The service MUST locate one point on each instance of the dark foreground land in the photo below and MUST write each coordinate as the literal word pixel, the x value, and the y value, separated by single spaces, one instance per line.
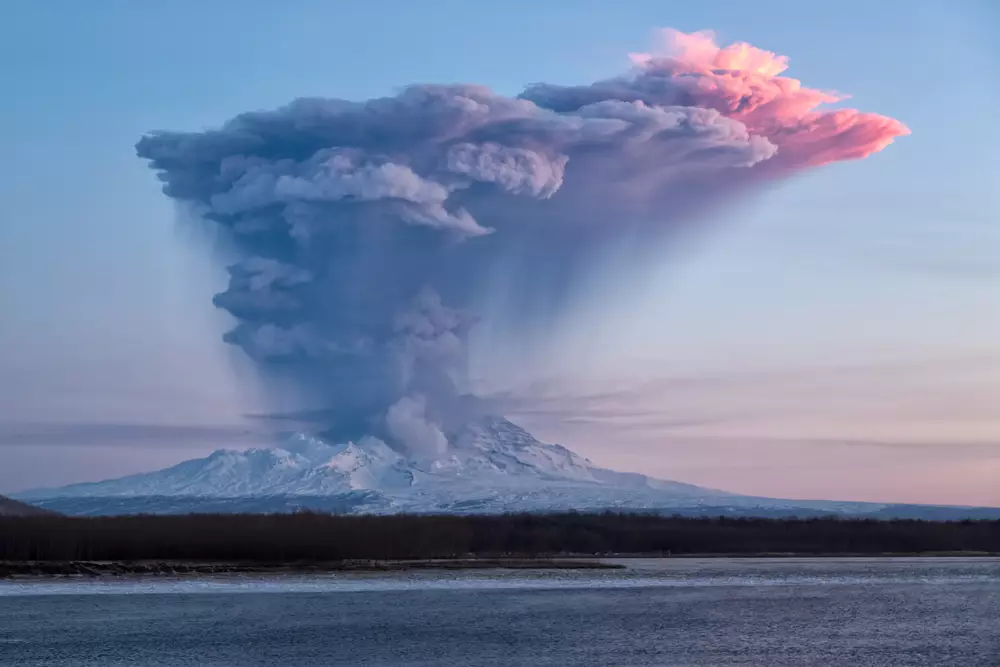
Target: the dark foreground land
pixel 199 543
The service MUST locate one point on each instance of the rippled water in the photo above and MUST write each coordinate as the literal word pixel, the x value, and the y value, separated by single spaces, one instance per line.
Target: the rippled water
pixel 761 613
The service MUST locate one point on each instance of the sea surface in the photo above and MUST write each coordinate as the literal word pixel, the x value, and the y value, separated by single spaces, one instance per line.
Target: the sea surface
pixel 939 612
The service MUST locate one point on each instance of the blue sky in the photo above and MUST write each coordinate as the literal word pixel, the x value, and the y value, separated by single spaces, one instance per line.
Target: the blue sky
pixel 843 326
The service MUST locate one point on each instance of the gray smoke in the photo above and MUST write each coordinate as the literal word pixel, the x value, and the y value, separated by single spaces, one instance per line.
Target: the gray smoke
pixel 368 232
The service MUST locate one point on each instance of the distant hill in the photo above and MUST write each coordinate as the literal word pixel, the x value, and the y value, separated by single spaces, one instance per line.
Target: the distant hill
pixel 10 507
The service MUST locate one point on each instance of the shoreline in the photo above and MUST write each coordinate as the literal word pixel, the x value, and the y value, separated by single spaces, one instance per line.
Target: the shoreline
pixel 49 569
pixel 32 570
pixel 803 554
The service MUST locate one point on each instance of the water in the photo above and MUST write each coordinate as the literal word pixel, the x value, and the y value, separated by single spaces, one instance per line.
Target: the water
pixel 692 613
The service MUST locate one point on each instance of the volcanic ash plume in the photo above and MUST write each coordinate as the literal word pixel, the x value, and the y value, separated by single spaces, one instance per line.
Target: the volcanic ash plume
pixel 367 232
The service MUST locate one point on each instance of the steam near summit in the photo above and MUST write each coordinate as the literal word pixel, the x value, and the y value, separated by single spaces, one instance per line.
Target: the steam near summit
pixel 368 235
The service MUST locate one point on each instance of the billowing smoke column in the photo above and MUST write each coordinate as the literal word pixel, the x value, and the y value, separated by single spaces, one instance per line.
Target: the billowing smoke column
pixel 367 232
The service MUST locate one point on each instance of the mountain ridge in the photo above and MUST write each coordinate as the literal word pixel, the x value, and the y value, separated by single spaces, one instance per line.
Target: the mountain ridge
pixel 11 507
pixel 489 450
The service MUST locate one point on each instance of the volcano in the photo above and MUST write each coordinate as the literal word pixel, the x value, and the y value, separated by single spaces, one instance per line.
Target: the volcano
pixel 492 466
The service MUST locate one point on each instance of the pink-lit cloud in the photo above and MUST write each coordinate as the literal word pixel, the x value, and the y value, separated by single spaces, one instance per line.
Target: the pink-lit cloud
pixel 745 83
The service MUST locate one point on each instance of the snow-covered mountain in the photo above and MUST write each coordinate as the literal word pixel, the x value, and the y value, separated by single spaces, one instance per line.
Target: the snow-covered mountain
pixel 492 466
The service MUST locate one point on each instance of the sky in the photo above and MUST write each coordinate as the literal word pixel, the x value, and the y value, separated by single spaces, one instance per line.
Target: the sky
pixel 835 336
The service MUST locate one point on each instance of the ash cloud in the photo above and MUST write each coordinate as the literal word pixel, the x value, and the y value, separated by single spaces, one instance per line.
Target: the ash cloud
pixel 368 232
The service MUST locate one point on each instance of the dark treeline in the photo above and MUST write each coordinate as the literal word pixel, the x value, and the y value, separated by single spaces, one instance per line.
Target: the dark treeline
pixel 319 537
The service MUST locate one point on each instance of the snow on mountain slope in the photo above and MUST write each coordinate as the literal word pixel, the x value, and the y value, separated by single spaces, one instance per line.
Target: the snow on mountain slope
pixel 301 465
pixel 493 465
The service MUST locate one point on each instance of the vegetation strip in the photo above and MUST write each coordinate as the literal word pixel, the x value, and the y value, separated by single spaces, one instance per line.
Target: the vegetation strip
pixel 322 538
